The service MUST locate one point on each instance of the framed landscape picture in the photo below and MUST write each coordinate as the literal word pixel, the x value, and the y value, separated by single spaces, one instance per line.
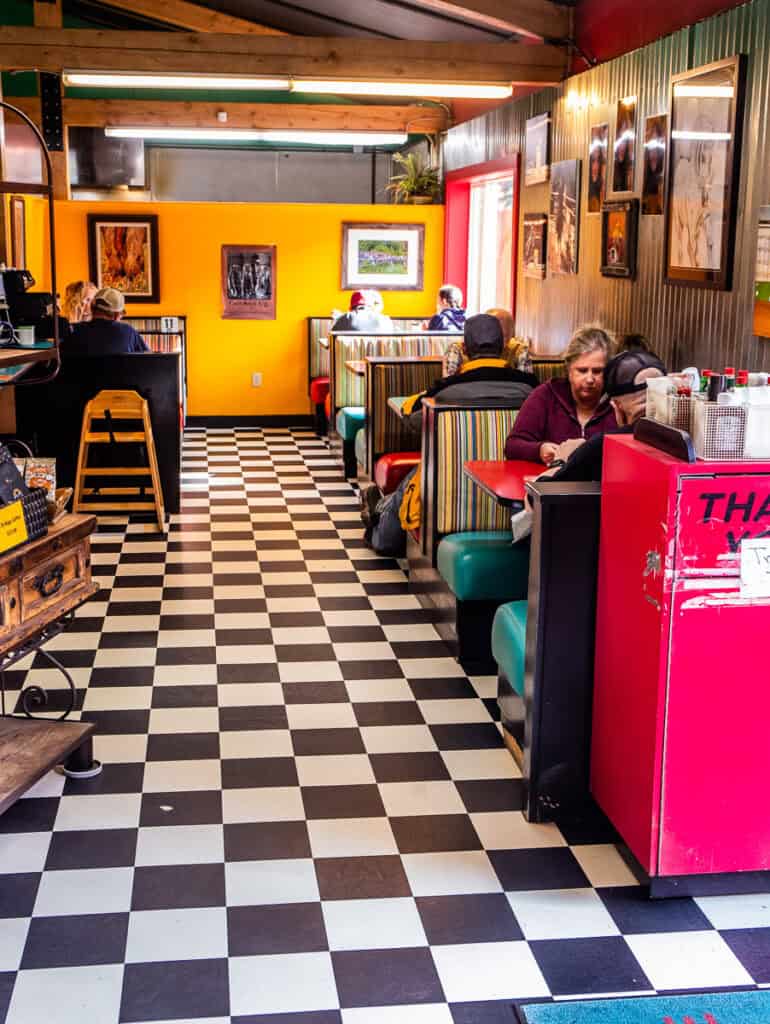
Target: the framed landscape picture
pixel 703 173
pixel 620 220
pixel 624 148
pixel 248 282
pixel 597 167
pixel 388 257
pixel 534 245
pixel 123 254
pixel 564 218
pixel 537 160
pixel 654 179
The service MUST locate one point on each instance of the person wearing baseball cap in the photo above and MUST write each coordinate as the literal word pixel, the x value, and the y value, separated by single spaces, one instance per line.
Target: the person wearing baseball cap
pixel 104 334
pixel 625 384
pixel 365 315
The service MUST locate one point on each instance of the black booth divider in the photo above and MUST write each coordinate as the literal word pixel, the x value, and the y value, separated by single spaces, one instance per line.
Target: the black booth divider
pixel 49 416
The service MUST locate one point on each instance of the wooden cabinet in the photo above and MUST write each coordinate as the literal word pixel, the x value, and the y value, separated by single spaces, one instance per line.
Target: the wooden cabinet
pixel 44 580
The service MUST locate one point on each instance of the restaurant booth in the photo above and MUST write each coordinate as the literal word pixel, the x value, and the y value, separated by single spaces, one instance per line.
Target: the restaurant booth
pixel 252 769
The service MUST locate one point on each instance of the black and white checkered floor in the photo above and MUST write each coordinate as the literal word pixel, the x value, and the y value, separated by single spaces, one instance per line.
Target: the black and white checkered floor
pixel 306 806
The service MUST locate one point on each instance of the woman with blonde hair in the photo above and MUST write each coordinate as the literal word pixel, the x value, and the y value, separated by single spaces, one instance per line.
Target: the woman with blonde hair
pixel 78 296
pixel 515 351
pixel 567 409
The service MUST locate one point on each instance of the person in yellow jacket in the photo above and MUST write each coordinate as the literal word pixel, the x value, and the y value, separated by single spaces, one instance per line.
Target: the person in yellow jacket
pixel 485 380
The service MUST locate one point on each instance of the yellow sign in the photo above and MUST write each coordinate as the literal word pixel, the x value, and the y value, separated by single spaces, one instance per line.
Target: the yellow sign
pixel 13 529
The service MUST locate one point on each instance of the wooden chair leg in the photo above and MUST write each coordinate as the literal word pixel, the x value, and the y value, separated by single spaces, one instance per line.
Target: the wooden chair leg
pixel 154 472
pixel 82 459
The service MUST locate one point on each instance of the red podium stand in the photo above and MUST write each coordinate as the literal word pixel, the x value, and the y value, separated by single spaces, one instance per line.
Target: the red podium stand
pixel 680 757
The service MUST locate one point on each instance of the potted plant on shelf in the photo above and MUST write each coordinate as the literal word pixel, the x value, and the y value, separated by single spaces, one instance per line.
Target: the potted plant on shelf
pixel 419 183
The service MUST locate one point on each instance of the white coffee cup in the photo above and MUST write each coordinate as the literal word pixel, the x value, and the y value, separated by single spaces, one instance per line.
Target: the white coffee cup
pixel 26 336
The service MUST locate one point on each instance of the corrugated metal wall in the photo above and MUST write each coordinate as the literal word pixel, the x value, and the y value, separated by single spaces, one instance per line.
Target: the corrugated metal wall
pixel 686 325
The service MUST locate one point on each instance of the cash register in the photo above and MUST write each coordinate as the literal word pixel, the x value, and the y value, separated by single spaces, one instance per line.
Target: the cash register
pixel 21 307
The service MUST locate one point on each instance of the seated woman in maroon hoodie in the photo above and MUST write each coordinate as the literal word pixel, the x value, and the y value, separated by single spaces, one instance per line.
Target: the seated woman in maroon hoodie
pixel 566 409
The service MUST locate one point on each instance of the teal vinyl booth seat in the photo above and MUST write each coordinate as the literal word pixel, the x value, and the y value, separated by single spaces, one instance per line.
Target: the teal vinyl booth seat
pixel 463 564
pixel 509 644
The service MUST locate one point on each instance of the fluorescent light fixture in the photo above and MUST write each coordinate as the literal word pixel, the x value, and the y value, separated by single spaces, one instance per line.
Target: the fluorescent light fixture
pixel 686 136
pixel 117 80
pixel 451 90
pixel 707 91
pixel 255 135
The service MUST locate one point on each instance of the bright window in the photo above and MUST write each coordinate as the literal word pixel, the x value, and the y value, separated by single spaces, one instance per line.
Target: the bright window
pixel 490 245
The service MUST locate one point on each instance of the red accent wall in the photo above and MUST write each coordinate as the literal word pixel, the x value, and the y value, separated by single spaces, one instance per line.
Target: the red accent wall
pixel 608 28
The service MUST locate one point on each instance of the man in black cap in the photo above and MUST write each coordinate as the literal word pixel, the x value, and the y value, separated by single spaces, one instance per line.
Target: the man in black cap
pixel 625 384
pixel 485 380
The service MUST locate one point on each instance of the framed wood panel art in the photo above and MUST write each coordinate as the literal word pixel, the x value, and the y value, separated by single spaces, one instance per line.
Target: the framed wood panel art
pixel 123 254
pixel 703 173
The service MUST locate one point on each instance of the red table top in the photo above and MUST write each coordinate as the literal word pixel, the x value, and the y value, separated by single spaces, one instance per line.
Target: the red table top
pixel 503 481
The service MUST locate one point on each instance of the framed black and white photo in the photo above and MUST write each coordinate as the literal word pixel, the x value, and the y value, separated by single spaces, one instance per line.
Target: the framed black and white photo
pixel 534 245
pixel 704 169
pixel 620 221
pixel 624 147
pixel 654 177
pixel 248 282
pixel 537 159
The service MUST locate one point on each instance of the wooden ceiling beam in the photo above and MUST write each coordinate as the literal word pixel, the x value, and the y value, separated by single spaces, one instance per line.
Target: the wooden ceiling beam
pixel 289 116
pixel 47 15
pixel 278 56
pixel 537 19
pixel 183 14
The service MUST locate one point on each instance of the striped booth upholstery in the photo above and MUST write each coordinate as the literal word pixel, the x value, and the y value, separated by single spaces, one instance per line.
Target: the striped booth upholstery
pixel 386 432
pixel 318 357
pixel 452 436
pixel 462 435
pixel 347 389
pixel 547 369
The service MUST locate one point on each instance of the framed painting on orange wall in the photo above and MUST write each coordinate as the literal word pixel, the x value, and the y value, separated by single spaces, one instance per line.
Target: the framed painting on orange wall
pixel 123 254
pixel 248 282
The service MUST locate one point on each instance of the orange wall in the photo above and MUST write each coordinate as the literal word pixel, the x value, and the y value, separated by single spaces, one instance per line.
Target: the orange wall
pixel 223 354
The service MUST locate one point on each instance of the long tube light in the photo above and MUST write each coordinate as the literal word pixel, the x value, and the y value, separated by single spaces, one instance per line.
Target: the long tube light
pixel 351 138
pixel 117 80
pixel 131 80
pixel 449 90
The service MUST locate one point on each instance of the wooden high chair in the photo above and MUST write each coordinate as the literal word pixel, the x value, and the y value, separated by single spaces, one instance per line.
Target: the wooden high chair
pixel 110 406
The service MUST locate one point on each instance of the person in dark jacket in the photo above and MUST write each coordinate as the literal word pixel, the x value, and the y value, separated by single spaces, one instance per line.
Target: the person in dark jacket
pixel 449 315
pixel 571 409
pixel 104 334
pixel 626 387
pixel 485 380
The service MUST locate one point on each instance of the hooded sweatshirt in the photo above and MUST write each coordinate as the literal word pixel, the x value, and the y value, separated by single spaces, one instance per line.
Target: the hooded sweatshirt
pixel 447 320
pixel 550 414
